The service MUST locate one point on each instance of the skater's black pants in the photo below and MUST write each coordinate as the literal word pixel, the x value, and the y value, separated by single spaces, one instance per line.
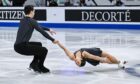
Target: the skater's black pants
pixel 32 48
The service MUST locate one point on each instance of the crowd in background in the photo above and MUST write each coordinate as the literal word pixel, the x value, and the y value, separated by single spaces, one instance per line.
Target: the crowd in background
pixel 44 3
pixel 12 2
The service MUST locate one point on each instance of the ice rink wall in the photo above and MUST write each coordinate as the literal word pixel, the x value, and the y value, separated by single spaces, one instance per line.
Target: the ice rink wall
pixel 76 17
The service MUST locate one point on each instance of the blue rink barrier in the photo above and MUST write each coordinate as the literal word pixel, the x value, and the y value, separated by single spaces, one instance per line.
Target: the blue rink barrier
pixel 78 25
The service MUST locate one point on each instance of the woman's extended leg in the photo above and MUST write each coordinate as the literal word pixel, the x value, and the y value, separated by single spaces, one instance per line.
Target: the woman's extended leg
pixel 111 58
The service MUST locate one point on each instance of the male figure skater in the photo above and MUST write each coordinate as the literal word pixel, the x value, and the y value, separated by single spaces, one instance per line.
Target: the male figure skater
pixel 24 46
pixel 94 56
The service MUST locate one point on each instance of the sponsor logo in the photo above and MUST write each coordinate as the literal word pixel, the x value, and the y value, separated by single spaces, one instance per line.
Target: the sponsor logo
pixel 96 15
pixel 17 14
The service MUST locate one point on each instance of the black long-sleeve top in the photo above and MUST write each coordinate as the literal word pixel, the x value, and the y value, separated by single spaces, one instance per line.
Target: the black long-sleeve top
pixel 26 28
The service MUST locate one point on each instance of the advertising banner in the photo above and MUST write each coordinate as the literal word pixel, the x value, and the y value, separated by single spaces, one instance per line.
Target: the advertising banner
pixel 17 14
pixel 104 15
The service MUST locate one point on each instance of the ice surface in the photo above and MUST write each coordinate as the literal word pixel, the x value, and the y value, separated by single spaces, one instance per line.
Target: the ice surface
pixel 123 44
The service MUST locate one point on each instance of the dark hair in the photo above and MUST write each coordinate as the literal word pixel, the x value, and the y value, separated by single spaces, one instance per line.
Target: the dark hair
pixel 83 62
pixel 28 9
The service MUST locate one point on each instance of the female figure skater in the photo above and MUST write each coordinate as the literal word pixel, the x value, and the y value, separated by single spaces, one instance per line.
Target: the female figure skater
pixel 94 56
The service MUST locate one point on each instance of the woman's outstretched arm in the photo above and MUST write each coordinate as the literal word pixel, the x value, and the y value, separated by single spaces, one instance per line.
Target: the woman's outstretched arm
pixel 68 52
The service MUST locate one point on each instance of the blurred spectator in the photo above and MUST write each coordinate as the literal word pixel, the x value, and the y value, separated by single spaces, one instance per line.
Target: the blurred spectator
pixel 40 2
pixel 75 2
pixel 36 3
pixel 82 3
pixel 119 3
pixel 18 2
pixel 1 3
pixel 89 3
pixel 6 2
pixel 68 3
pixel 53 3
pixel 48 2
pixel 111 1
